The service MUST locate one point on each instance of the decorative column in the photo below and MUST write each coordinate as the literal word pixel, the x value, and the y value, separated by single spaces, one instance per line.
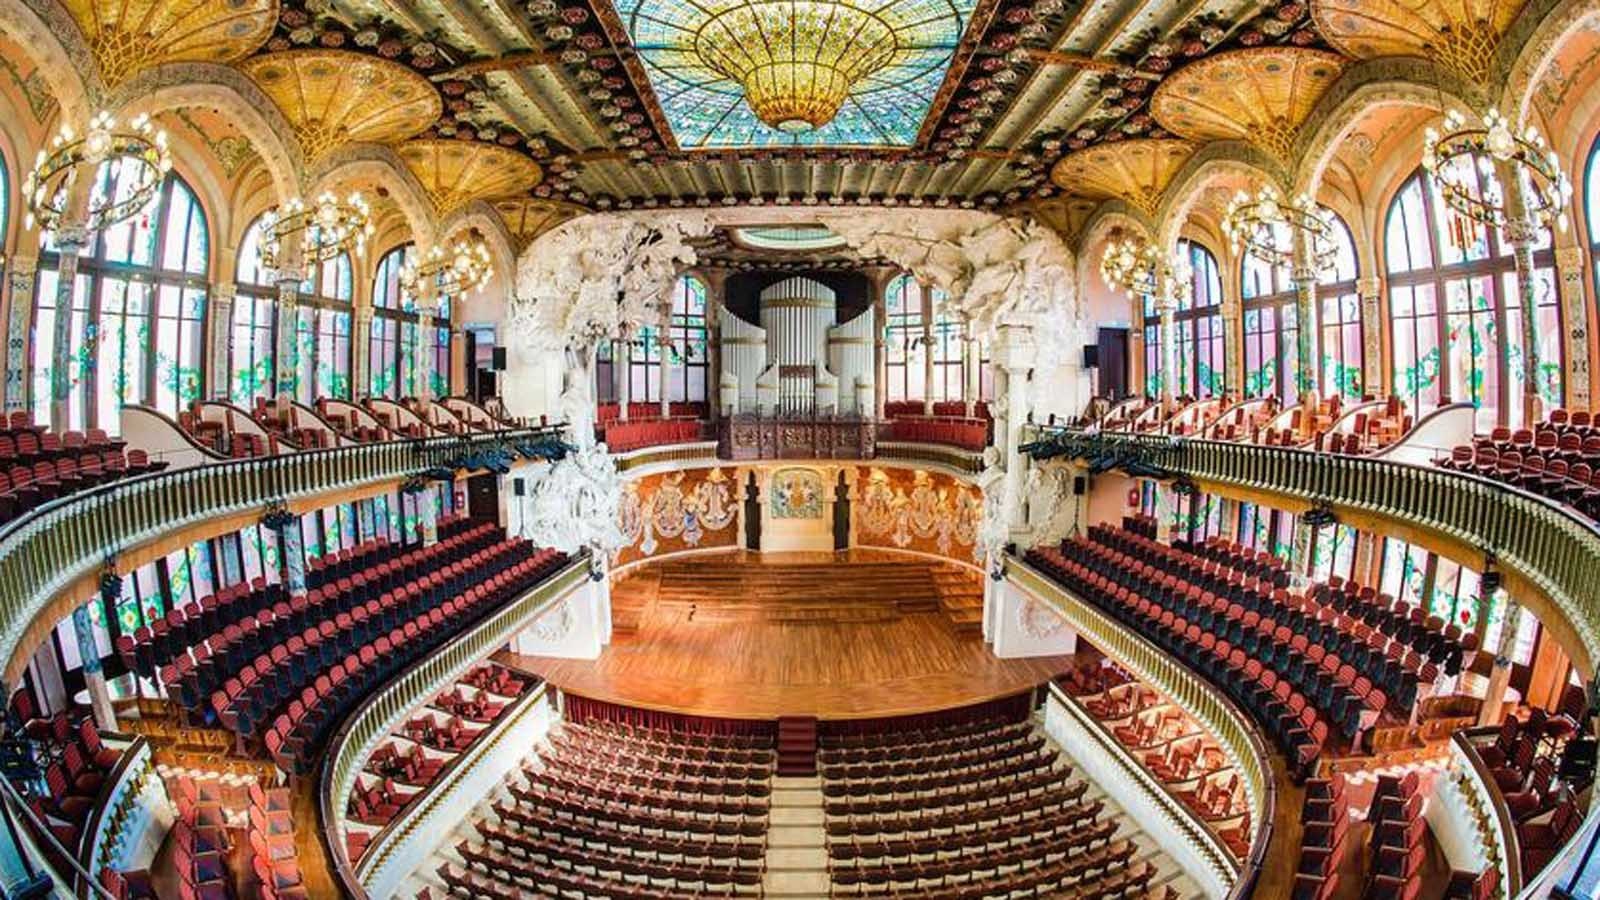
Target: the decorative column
pixel 1522 232
pixel 880 355
pixel 622 376
pixel 971 360
pixel 927 350
pixel 361 358
pixel 1303 275
pixel 1300 551
pixel 279 518
pixel 716 281
pixel 1136 367
pixel 1167 305
pixel 105 715
pixel 219 324
pixel 1368 289
pixel 1500 676
pixel 1014 354
pixel 1232 335
pixel 1571 275
pixel 427 305
pixel 286 350
pixel 428 513
pixel 71 242
pixel 22 274
pixel 663 364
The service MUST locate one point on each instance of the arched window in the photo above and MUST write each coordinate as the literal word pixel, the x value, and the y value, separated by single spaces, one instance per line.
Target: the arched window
pixel 1201 358
pixel 949 336
pixel 1591 220
pixel 255 311
pixel 903 344
pixel 392 348
pixel 1454 313
pixel 142 288
pixel 1339 317
pixel 322 332
pixel 1271 327
pixel 685 352
pixel 686 373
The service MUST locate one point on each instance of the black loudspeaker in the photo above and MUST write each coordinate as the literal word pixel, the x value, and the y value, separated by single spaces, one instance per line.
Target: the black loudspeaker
pixel 1091 356
pixel 499 363
pixel 518 487
pixel 1080 485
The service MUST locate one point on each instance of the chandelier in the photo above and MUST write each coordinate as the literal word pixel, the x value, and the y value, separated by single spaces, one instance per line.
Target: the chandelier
pixel 1262 226
pixel 1137 267
pixel 328 228
pixel 465 267
pixel 1462 164
pixel 127 166
pixel 797 60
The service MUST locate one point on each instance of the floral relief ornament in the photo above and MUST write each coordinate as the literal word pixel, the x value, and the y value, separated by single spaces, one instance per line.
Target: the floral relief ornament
pixel 672 512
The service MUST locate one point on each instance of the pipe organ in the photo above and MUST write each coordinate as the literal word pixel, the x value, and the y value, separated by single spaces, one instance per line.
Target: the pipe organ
pixel 799 360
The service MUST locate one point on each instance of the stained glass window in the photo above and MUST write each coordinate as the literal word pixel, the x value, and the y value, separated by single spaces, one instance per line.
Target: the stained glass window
pixel 1271 328
pixel 1455 313
pixel 903 344
pixel 1200 355
pixel 1591 218
pixel 1339 319
pixel 386 357
pixel 687 366
pixel 138 312
pixel 706 109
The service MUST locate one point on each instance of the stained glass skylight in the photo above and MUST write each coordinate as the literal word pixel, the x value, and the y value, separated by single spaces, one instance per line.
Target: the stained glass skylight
pixel 706 110
pixel 794 238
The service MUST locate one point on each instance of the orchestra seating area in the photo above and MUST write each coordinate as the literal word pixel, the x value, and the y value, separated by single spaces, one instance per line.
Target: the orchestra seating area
pixel 1558 458
pixel 1325 817
pixel 69 758
pixel 1307 670
pixel 972 803
pixel 627 804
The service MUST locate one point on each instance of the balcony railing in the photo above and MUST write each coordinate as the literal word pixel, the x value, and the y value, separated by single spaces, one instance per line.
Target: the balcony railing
pixel 1555 549
pixel 382 712
pixel 1216 714
pixel 45 551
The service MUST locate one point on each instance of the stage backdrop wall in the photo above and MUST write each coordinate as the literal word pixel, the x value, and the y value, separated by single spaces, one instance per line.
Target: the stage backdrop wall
pixel 912 509
pixel 692 509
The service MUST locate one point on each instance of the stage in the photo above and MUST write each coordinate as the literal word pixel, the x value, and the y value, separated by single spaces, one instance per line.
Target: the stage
pixel 837 636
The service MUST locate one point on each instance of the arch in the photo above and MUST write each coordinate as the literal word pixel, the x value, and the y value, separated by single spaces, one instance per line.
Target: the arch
pixel 1217 158
pixel 181 85
pixel 480 215
pixel 1525 53
pixel 1109 215
pixel 1362 88
pixel 373 162
pixel 46 29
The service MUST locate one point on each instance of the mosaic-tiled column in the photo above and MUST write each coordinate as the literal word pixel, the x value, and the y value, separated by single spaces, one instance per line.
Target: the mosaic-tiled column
pixel 105 715
pixel 21 272
pixel 286 352
pixel 1369 289
pixel 294 559
pixel 219 323
pixel 1571 273
pixel 361 357
pixel 71 242
pixel 1303 275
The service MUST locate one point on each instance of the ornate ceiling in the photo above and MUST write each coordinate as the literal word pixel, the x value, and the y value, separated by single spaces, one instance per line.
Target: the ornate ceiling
pixel 547 107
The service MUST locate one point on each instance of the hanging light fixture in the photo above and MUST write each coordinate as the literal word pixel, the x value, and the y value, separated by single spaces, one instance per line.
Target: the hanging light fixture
pixel 327 228
pixel 1463 158
pixel 127 165
pixel 1262 226
pixel 465 267
pixel 1138 267
pixel 797 60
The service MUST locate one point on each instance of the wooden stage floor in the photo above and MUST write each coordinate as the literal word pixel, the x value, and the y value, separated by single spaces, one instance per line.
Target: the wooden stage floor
pixel 853 635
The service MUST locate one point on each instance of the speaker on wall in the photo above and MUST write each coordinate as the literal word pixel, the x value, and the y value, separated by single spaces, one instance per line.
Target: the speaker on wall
pixel 499 363
pixel 518 487
pixel 1091 356
pixel 1080 485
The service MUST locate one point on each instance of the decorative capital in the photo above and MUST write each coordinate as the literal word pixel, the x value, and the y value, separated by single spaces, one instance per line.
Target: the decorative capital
pixel 72 238
pixel 1369 286
pixel 224 291
pixel 1569 259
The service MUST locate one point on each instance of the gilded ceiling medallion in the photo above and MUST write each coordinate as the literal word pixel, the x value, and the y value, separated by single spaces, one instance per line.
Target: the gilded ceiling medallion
pixel 129 36
pixel 1460 35
pixel 1137 171
pixel 335 97
pixel 455 173
pixel 527 217
pixel 1260 95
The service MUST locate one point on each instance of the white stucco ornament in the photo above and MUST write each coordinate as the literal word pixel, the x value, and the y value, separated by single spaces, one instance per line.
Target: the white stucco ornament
pixel 575 505
pixel 994 528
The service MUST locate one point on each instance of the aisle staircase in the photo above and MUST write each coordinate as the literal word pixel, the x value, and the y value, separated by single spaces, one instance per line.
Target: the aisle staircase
pixel 797 746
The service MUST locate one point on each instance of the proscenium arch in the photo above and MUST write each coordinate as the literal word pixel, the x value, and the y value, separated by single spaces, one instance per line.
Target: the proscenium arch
pixel 52 39
pixel 381 164
pixel 184 85
pixel 1366 86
